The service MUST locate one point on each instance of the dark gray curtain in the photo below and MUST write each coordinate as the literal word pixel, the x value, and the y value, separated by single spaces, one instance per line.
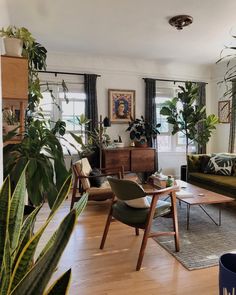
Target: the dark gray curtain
pixel 91 108
pixel 233 120
pixel 202 102
pixel 150 108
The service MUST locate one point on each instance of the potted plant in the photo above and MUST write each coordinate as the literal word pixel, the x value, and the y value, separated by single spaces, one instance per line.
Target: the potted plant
pixel 142 132
pixel 14 38
pixel 41 149
pixel 188 118
pixel 21 271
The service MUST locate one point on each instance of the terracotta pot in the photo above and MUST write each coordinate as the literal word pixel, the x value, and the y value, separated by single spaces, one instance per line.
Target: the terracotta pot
pixel 140 144
pixel 13 46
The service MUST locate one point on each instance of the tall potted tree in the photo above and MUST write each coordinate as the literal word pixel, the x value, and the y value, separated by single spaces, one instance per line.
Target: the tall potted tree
pixel 188 118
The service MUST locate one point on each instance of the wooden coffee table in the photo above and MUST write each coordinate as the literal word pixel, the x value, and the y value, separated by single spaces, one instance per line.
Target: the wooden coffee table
pixel 200 197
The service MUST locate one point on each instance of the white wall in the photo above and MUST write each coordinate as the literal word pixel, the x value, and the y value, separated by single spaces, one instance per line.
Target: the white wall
pixel 126 73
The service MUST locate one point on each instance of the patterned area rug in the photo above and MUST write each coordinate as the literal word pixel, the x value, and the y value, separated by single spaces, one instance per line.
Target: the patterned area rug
pixel 204 242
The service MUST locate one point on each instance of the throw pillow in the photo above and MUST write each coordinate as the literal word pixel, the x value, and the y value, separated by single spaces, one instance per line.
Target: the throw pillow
pixel 139 203
pixel 96 181
pixel 204 162
pixel 219 165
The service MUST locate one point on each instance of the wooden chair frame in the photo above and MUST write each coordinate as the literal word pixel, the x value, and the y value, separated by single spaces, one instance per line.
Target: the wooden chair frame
pixel 147 225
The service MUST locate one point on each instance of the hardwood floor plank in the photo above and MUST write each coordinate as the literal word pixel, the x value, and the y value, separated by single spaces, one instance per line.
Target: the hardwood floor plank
pixel 112 271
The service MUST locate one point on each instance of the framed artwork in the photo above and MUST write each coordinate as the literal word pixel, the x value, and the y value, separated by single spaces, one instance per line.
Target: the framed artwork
pixel 224 111
pixel 121 105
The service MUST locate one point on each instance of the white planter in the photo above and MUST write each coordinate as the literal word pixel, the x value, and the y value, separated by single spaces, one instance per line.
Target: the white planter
pixel 13 46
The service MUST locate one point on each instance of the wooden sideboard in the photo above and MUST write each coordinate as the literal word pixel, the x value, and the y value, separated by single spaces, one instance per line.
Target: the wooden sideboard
pixel 132 158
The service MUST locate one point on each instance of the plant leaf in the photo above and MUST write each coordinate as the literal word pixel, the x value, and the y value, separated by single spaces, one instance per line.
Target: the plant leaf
pixel 60 287
pixel 4 218
pixel 38 277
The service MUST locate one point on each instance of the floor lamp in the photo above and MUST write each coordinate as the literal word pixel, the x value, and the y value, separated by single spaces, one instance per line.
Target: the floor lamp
pixel 102 123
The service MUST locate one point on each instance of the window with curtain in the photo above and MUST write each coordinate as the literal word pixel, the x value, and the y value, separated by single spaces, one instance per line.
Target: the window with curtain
pixel 55 105
pixel 166 141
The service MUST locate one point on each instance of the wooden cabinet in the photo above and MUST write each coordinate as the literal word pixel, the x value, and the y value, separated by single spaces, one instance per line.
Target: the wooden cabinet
pixel 133 159
pixel 14 79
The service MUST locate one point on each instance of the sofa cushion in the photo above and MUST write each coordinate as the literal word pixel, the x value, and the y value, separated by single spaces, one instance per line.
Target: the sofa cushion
pixel 226 182
pixel 219 164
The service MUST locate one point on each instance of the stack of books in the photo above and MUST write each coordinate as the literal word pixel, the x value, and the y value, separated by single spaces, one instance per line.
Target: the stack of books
pixel 159 181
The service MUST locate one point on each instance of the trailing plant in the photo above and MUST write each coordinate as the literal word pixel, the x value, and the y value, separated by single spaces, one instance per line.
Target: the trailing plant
pixel 42 149
pixel 20 271
pixel 142 130
pixel 188 118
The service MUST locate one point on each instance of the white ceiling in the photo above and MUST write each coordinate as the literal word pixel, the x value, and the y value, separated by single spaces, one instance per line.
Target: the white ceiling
pixel 130 28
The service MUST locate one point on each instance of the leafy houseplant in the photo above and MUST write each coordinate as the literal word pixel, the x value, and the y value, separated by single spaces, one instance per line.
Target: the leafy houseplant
pixel 142 132
pixel 20 271
pixel 41 148
pixel 188 118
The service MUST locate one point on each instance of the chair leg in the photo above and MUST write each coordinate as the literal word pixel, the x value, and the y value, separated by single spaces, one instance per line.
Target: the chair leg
pixel 137 231
pixel 142 249
pixel 73 198
pixel 109 217
pixel 175 222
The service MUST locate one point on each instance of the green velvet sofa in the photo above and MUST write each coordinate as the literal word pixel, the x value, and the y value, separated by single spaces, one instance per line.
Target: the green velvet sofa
pixel 225 185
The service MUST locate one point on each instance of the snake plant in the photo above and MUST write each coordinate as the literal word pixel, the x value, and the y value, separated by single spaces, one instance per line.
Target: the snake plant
pixel 20 271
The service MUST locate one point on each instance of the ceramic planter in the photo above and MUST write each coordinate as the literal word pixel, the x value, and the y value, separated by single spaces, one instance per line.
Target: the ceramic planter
pixel 13 46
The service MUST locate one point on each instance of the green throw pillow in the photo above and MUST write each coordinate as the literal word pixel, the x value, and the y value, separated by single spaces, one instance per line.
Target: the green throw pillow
pixel 220 165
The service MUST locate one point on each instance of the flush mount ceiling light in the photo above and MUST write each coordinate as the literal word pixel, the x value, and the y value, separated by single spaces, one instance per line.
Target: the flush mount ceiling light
pixel 180 21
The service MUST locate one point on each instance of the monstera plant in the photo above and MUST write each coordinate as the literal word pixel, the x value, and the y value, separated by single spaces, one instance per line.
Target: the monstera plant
pixel 20 271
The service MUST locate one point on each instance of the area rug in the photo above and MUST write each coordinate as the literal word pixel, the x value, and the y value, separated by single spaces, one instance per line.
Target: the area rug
pixel 204 242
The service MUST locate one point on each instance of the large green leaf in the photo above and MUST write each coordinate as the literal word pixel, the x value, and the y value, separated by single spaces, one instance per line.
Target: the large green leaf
pixel 38 277
pixel 61 286
pixel 79 207
pixel 17 211
pixel 6 274
pixel 4 218
pixel 63 193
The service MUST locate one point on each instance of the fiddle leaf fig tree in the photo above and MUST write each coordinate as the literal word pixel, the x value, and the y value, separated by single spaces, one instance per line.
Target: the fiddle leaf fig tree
pixel 188 118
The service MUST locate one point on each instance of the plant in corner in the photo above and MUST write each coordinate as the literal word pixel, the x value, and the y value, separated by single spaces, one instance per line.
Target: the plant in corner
pixel 41 148
pixel 143 132
pixel 20 271
pixel 188 118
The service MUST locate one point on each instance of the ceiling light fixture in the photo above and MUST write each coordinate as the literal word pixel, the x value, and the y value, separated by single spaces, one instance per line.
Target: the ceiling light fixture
pixel 180 21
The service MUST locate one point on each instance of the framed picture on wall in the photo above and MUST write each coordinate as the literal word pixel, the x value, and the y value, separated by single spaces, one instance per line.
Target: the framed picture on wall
pixel 121 105
pixel 224 112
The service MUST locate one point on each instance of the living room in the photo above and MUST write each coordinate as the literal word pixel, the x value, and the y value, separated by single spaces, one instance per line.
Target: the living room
pixel 124 43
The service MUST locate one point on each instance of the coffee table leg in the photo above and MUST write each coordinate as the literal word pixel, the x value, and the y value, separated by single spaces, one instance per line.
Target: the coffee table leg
pixel 188 215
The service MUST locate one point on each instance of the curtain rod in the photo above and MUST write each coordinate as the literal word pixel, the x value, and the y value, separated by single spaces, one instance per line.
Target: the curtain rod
pixel 64 73
pixel 180 81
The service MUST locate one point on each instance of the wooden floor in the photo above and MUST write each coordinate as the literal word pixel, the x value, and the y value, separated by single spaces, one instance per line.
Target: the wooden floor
pixel 112 270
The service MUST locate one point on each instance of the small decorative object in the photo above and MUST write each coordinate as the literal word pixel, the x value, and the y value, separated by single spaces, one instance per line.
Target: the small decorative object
pixel 224 111
pixel 121 105
pixel 142 132
pixel 10 120
pixel 169 181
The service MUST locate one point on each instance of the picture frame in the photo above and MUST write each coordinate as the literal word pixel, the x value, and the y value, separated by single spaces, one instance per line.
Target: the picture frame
pixel 224 111
pixel 121 104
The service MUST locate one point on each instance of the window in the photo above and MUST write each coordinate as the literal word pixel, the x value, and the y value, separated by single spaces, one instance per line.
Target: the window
pixel 166 141
pixel 55 106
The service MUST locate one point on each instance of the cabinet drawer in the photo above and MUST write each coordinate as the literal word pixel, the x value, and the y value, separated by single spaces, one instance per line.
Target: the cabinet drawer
pixel 114 158
pixel 143 160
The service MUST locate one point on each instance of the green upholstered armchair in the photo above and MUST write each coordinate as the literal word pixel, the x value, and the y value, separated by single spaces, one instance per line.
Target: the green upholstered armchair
pixel 123 210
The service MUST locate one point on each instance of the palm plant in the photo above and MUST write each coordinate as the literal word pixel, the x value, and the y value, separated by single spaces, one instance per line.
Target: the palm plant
pixel 20 271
